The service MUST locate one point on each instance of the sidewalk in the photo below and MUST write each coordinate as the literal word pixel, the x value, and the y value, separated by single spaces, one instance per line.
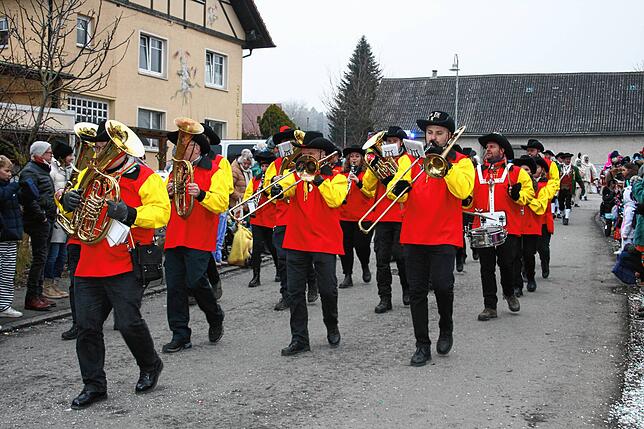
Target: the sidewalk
pixel 62 309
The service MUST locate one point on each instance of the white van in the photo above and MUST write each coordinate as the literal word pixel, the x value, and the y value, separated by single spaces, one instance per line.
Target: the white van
pixel 231 149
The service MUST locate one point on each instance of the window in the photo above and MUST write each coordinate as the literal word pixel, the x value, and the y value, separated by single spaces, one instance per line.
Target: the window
pixel 218 126
pixel 151 54
pixel 215 70
pixel 153 120
pixel 88 109
pixel 83 31
pixel 4 32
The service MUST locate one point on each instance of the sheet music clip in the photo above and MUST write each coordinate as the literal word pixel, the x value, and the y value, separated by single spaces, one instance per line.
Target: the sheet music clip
pixel 414 148
pixel 117 233
pixel 390 150
pixel 285 149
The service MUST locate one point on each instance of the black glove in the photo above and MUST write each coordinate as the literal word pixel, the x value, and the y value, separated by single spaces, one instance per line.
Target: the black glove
pixel 71 200
pixel 359 184
pixel 640 209
pixel 386 180
pixel 121 212
pixel 317 180
pixel 326 170
pixel 276 189
pixel 401 187
pixel 467 201
pixel 434 149
pixel 514 191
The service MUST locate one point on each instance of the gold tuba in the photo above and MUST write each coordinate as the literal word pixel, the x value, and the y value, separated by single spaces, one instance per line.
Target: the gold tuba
pixel 381 166
pixel 182 171
pixel 89 221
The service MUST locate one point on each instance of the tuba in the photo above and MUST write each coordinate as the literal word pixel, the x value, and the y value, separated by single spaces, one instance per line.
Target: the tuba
pixel 182 171
pixel 89 221
pixel 381 166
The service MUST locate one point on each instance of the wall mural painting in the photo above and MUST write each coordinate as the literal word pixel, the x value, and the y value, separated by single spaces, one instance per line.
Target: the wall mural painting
pixel 187 75
pixel 212 15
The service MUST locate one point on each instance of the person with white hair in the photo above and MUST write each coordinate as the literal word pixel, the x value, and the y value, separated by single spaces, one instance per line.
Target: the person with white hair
pixel 588 175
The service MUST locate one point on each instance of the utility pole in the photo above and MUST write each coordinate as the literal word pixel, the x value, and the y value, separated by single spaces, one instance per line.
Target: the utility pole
pixel 455 69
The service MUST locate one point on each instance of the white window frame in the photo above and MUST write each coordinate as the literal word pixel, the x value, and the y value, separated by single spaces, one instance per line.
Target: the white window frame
pixel 6 30
pixel 77 108
pixel 224 127
pixel 88 31
pixel 164 56
pixel 224 85
pixel 151 148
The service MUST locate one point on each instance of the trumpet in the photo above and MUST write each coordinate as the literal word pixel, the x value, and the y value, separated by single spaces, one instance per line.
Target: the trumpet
pixel 182 171
pixel 434 165
pixel 307 167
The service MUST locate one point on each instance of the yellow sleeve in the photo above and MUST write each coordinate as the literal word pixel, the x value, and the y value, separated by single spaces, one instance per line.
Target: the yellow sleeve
pixel 527 191
pixel 217 196
pixel 154 211
pixel 460 178
pixel 403 164
pixel 334 190
pixel 539 204
pixel 249 190
pixel 59 204
pixel 369 184
pixel 551 189
pixel 226 175
pixel 287 185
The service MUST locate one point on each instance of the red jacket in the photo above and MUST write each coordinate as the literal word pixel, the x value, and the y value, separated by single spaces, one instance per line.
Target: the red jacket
pixel 357 202
pixel 372 185
pixel 266 215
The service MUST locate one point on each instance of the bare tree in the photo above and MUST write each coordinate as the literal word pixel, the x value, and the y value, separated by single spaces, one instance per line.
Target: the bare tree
pixel 306 118
pixel 639 66
pixel 49 63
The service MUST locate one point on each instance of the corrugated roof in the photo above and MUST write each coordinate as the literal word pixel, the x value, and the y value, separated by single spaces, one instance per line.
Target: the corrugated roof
pixel 520 104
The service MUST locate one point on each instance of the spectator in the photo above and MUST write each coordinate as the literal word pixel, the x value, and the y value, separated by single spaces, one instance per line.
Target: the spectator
pixel 588 175
pixel 38 221
pixel 61 171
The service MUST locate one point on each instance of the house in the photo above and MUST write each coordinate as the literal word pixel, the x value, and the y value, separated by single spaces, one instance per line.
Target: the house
pixel 251 114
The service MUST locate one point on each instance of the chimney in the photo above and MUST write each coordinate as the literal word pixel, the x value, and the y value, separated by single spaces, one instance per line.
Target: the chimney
pixel 434 73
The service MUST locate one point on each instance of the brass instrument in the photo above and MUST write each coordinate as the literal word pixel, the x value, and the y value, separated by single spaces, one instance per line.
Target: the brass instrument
pixel 89 221
pixel 381 166
pixel 434 165
pixel 182 171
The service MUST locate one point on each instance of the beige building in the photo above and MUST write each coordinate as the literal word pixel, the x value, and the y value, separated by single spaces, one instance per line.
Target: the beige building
pixel 183 58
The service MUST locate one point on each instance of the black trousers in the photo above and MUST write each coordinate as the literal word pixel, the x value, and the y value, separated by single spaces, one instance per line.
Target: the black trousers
pixel 427 264
pixel 298 267
pixel 543 247
pixel 461 252
pixel 565 199
pixel 73 255
pixel 187 269
pixel 387 246
pixel 525 259
pixel 353 238
pixel 95 298
pixel 40 235
pixel 505 256
pixel 262 236
pixel 278 240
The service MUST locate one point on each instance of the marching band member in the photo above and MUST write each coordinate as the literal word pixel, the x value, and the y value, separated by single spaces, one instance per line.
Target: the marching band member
pixel 357 202
pixel 569 178
pixel 387 235
pixel 500 187
pixel 313 236
pixel 263 220
pixel 104 277
pixel 431 230
pixel 188 250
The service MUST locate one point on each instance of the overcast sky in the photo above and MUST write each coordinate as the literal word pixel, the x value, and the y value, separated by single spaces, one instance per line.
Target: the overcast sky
pixel 410 38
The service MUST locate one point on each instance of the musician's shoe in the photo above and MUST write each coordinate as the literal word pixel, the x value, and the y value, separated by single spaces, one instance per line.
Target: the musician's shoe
pixel 545 272
pixel 333 336
pixel 254 282
pixel 422 355
pixel 176 346
pixel 366 274
pixel 518 291
pixel 70 334
pixel 487 314
pixel 312 294
pixel 475 254
pixel 383 306
pixel 444 343
pixel 347 282
pixel 532 285
pixel 564 221
pixel 406 299
pixel 295 348
pixel 148 380
pixel 216 332
pixel 459 264
pixel 277 278
pixel 281 305
pixel 513 303
pixel 87 398
pixel 35 303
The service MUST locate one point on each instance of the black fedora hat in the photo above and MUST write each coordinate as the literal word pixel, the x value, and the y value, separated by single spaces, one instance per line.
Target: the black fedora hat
pixel 549 152
pixel 395 131
pixel 264 157
pixel 499 139
pixel 437 118
pixel 321 143
pixel 213 138
pixel 101 134
pixel 526 160
pixel 533 144
pixel 352 149
pixel 283 136
pixel 566 155
pixel 541 162
pixel 559 154
pixel 468 151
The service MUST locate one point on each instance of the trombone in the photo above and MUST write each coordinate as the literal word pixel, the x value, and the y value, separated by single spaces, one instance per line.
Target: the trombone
pixel 306 166
pixel 434 165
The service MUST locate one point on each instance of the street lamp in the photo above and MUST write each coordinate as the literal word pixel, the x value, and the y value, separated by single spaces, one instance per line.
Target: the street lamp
pixel 455 69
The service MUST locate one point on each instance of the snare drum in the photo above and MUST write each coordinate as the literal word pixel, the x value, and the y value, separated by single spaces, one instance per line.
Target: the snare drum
pixel 489 236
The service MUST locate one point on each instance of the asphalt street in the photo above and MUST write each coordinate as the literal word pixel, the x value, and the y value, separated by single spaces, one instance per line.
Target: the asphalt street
pixel 556 363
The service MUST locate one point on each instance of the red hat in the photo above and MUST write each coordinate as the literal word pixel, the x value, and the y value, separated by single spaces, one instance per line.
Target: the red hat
pixel 284 128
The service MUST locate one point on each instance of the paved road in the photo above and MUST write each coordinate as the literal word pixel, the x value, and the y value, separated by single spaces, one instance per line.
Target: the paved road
pixel 557 363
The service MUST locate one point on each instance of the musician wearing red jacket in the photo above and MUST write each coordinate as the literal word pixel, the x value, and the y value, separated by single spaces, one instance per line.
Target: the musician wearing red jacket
pixel 500 188
pixel 354 206
pixel 313 236
pixel 386 244
pixel 188 246
pixel 432 228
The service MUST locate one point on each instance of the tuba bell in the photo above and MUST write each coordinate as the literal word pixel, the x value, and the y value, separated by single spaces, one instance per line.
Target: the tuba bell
pixel 182 171
pixel 381 166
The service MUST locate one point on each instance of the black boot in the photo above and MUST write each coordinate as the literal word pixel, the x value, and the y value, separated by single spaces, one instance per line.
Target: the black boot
pixel 459 263
pixel 312 293
pixel 421 356
pixel 347 282
pixel 71 334
pixel 445 304
pixel 254 282
pixel 366 274
pixel 532 285
pixel 384 305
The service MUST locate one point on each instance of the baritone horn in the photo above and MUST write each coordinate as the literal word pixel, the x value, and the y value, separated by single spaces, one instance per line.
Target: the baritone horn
pixel 381 166
pixel 182 171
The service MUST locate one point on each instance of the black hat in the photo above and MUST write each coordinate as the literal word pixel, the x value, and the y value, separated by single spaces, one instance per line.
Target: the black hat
pixel 437 118
pixel 320 143
pixel 201 140
pixel 542 162
pixel 283 136
pixel 468 151
pixel 559 154
pixel 566 155
pixel 264 157
pixel 526 160
pixel 499 139
pixel 213 138
pixel 352 149
pixel 395 132
pixel 533 144
pixel 61 150
pixel 549 152
pixel 101 134
pixel 309 136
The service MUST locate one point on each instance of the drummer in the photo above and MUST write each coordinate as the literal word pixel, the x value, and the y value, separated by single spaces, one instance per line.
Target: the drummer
pixel 500 192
